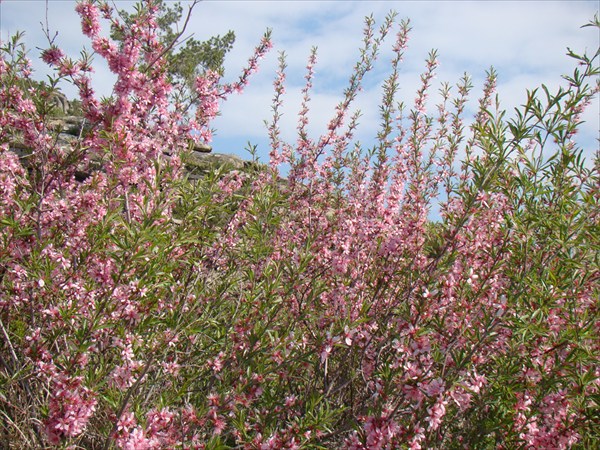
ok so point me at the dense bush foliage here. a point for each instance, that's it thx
(139, 310)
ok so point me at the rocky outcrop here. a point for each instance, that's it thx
(68, 129)
(197, 163)
(70, 125)
(61, 103)
(202, 148)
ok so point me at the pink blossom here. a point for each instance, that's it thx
(435, 387)
(70, 408)
(436, 414)
(89, 18)
(53, 55)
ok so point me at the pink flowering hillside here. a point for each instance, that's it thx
(323, 310)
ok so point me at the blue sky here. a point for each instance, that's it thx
(525, 41)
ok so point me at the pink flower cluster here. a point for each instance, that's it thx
(70, 407)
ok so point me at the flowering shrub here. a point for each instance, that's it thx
(142, 311)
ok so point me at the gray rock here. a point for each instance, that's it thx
(198, 164)
(71, 125)
(202, 148)
(61, 102)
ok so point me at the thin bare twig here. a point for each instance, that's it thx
(46, 29)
